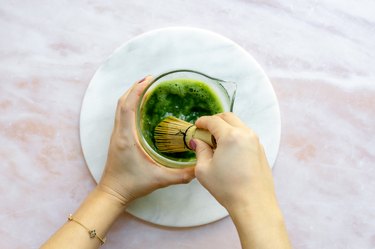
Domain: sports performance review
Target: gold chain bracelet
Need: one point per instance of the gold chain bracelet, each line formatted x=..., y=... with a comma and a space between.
x=92, y=233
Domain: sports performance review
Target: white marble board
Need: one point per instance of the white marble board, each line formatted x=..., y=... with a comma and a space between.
x=157, y=52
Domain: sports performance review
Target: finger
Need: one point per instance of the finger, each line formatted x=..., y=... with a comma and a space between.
x=129, y=101
x=214, y=124
x=204, y=155
x=232, y=119
x=118, y=108
x=203, y=151
x=131, y=97
x=122, y=99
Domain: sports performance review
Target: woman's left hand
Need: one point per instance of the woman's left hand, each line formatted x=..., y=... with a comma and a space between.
x=129, y=172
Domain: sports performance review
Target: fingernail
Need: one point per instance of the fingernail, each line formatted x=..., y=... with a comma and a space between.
x=192, y=144
x=142, y=80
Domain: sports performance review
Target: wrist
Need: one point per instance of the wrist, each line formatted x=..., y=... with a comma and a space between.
x=261, y=201
x=264, y=210
x=258, y=221
x=101, y=201
x=111, y=196
x=261, y=214
x=97, y=213
x=256, y=227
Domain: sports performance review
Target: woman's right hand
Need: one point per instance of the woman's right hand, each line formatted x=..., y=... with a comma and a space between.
x=237, y=173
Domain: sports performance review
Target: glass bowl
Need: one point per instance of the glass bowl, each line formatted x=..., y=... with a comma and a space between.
x=179, y=93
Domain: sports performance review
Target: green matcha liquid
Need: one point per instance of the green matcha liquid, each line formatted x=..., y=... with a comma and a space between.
x=185, y=99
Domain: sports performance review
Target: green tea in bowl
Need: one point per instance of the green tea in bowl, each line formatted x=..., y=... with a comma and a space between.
x=184, y=94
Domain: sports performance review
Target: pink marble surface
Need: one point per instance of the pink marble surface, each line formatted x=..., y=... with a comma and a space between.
x=320, y=58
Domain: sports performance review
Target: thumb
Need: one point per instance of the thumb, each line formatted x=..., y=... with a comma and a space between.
x=202, y=150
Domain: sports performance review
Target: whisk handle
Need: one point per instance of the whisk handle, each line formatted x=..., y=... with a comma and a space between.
x=200, y=134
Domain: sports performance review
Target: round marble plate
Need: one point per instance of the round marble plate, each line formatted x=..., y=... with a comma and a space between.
x=154, y=53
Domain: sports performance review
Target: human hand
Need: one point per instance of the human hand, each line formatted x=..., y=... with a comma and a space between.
x=129, y=172
x=237, y=173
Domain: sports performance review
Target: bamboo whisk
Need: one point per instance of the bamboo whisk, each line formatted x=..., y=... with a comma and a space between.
x=174, y=135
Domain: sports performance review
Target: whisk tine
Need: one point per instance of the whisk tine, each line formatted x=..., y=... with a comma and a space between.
x=170, y=133
x=173, y=135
